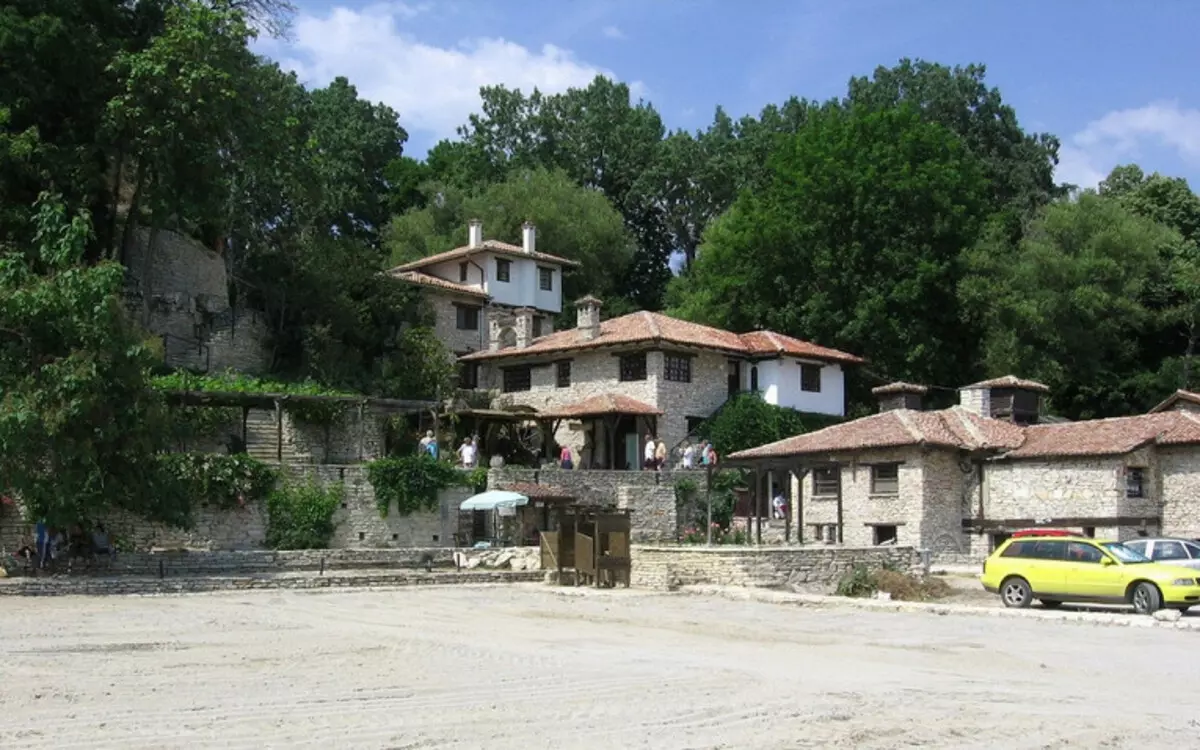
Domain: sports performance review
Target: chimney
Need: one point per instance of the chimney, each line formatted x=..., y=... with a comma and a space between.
x=1009, y=398
x=524, y=326
x=496, y=323
x=475, y=233
x=587, y=317
x=528, y=237
x=899, y=395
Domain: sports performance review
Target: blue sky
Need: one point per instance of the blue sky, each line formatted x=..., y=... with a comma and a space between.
x=1116, y=81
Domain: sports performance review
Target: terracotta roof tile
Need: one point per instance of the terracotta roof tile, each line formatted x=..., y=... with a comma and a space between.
x=948, y=428
x=606, y=403
x=656, y=328
x=494, y=246
x=1108, y=437
x=424, y=279
x=1009, y=381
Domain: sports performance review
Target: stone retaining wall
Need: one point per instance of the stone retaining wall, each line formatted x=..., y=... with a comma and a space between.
x=670, y=567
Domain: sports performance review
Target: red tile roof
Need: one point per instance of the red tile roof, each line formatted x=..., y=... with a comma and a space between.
x=539, y=491
x=607, y=403
x=658, y=329
x=957, y=428
x=1009, y=381
x=417, y=277
x=492, y=246
x=1108, y=437
x=1176, y=397
x=949, y=428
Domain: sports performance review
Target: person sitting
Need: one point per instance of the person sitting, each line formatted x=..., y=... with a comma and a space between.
x=101, y=545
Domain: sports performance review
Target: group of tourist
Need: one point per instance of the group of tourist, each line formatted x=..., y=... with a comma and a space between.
x=468, y=452
x=699, y=455
x=51, y=544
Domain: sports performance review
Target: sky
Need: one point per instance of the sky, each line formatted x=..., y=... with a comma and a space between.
x=1115, y=80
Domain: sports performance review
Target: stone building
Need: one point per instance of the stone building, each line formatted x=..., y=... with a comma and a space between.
x=958, y=481
x=608, y=384
x=466, y=285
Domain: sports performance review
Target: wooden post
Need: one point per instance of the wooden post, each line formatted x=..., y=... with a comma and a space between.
x=758, y=503
x=799, y=474
x=841, y=539
x=708, y=472
x=361, y=428
x=245, y=434
x=279, y=431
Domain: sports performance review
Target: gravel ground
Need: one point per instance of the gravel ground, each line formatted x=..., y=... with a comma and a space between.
x=523, y=666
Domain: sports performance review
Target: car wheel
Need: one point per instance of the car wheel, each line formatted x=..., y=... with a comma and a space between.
x=1051, y=603
x=1145, y=598
x=1015, y=593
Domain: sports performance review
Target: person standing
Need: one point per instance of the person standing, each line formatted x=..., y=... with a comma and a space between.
x=689, y=456
x=466, y=453
x=564, y=458
x=660, y=455
x=648, y=453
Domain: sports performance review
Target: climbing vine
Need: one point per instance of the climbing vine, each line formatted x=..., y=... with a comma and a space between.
x=411, y=483
x=191, y=423
x=319, y=413
x=215, y=480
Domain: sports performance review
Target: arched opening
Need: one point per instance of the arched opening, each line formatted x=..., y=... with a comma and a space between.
x=508, y=338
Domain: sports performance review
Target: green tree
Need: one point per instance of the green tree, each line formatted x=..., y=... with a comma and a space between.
x=747, y=421
x=572, y=222
x=79, y=424
x=1068, y=304
x=856, y=243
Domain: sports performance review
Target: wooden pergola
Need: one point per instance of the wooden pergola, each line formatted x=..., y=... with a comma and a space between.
x=277, y=402
x=607, y=409
x=798, y=466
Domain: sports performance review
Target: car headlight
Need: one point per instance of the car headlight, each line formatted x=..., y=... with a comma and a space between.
x=1184, y=582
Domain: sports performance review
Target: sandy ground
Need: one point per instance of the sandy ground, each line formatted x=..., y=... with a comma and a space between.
x=522, y=667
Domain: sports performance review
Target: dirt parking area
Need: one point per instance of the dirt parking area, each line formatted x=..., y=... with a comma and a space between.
x=522, y=666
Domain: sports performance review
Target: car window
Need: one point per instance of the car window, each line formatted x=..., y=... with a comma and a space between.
x=1138, y=546
x=1193, y=550
x=1049, y=550
x=1169, y=551
x=1123, y=553
x=1018, y=549
x=1080, y=552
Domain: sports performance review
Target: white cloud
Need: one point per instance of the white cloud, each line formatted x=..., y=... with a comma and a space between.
x=434, y=88
x=613, y=32
x=1087, y=157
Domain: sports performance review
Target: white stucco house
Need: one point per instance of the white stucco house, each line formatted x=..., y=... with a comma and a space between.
x=604, y=385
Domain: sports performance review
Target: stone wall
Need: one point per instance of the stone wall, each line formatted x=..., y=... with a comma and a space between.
x=1070, y=487
x=1179, y=473
x=445, y=321
x=359, y=525
x=186, y=287
x=649, y=494
x=352, y=439
x=707, y=391
x=670, y=567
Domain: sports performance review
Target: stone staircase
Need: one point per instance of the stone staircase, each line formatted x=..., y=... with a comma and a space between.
x=262, y=437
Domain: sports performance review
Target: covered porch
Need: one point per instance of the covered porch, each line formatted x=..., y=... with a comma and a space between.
x=766, y=475
x=614, y=430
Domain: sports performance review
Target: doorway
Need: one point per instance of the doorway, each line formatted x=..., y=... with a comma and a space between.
x=735, y=377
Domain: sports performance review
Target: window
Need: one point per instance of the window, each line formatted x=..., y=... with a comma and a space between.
x=693, y=423
x=537, y=326
x=462, y=271
x=468, y=375
x=885, y=535
x=810, y=378
x=545, y=279
x=563, y=374
x=516, y=379
x=1138, y=546
x=754, y=379
x=1193, y=550
x=1169, y=551
x=827, y=481
x=1085, y=553
x=1135, y=479
x=633, y=367
x=1037, y=550
x=818, y=532
x=885, y=479
x=677, y=368
x=503, y=269
x=467, y=317
x=831, y=533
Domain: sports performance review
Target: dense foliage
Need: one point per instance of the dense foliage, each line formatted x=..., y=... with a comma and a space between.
x=747, y=421
x=224, y=482
x=315, y=412
x=300, y=514
x=411, y=483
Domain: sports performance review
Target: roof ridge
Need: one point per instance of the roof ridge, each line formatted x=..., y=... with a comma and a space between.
x=774, y=337
x=907, y=423
x=655, y=331
x=969, y=424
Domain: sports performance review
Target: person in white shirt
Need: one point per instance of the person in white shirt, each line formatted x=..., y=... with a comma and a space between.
x=648, y=455
x=689, y=456
x=466, y=453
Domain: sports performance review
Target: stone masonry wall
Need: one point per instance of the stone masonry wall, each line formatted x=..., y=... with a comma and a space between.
x=707, y=391
x=445, y=322
x=947, y=490
x=359, y=525
x=671, y=567
x=1069, y=487
x=1180, y=475
x=350, y=440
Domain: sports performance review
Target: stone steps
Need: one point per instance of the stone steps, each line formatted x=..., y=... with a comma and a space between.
x=262, y=437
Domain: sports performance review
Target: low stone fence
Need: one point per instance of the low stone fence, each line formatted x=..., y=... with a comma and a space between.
x=199, y=563
x=670, y=567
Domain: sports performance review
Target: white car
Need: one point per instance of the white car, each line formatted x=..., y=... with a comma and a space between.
x=1181, y=552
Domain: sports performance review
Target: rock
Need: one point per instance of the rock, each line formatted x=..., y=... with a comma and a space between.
x=473, y=562
x=1168, y=615
x=883, y=596
x=504, y=558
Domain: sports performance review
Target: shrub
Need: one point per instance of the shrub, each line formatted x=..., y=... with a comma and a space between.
x=411, y=483
x=300, y=515
x=863, y=582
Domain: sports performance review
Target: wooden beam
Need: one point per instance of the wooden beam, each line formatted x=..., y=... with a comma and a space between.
x=758, y=504
x=841, y=537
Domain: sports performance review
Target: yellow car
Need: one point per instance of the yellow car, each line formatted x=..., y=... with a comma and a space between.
x=1058, y=568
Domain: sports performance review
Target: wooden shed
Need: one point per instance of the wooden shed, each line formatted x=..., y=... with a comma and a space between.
x=592, y=542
